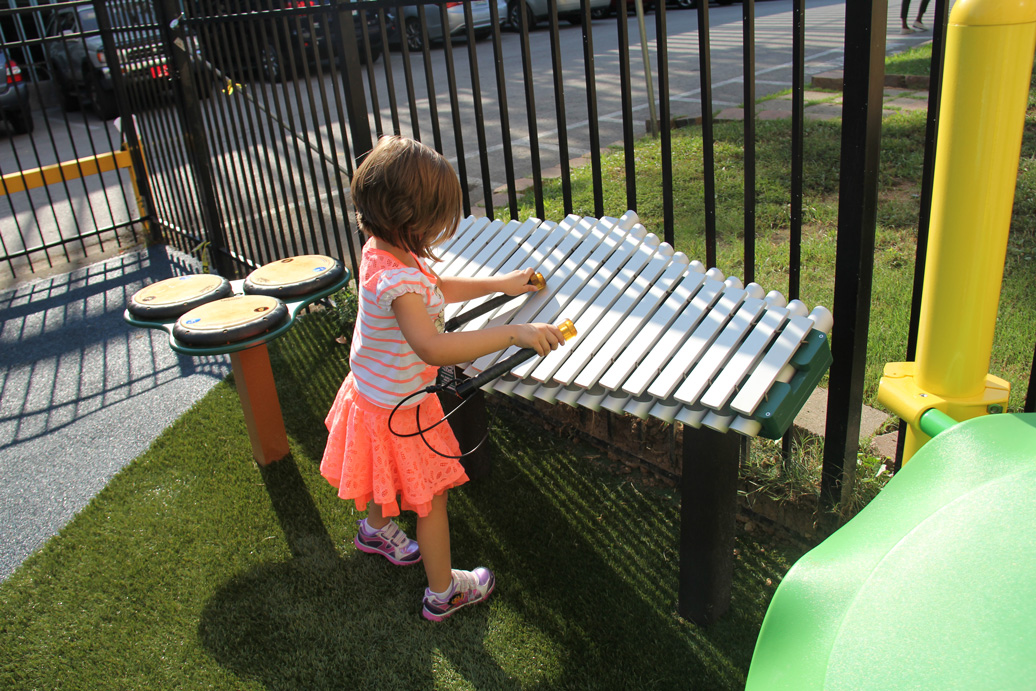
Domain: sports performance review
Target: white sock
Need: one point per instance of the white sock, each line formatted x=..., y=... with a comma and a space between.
x=371, y=529
x=445, y=594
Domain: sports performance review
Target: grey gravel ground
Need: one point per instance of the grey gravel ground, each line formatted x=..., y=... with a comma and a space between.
x=82, y=393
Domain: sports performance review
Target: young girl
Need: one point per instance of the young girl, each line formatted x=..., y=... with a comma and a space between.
x=408, y=199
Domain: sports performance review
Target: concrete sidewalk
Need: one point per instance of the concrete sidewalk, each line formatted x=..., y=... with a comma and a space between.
x=82, y=393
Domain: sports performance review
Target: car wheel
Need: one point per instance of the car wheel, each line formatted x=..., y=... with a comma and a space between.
x=515, y=19
x=601, y=12
x=23, y=122
x=19, y=120
x=686, y=4
x=102, y=97
x=271, y=63
x=414, y=40
x=68, y=99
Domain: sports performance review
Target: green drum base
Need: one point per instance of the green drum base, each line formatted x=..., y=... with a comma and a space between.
x=931, y=586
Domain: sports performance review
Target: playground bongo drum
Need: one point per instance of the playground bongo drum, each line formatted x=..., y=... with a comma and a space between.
x=294, y=276
x=230, y=320
x=172, y=297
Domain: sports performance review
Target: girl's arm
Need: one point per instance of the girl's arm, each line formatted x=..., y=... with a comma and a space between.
x=460, y=289
x=454, y=348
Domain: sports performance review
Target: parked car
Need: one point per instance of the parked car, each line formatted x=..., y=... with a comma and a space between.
x=409, y=26
x=649, y=5
x=14, y=96
x=537, y=10
x=256, y=40
x=79, y=65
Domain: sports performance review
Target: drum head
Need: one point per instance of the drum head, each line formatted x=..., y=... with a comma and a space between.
x=230, y=320
x=294, y=276
x=172, y=297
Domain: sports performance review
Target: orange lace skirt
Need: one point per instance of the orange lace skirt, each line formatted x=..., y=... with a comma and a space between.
x=365, y=461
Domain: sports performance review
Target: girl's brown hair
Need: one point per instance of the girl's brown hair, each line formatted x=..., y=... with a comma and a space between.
x=408, y=195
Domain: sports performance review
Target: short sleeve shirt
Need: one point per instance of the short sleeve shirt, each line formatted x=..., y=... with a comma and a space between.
x=384, y=366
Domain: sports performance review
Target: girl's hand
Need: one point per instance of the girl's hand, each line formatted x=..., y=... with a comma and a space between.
x=542, y=338
x=517, y=282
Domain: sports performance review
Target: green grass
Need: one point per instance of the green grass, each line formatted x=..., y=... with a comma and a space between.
x=915, y=60
x=196, y=569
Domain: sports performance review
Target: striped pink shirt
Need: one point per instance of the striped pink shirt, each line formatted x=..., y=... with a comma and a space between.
x=384, y=366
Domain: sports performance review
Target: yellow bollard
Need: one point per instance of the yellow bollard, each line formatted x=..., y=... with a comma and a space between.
x=989, y=57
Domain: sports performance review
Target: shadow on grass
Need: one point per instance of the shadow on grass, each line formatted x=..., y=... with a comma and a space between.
x=586, y=564
x=319, y=619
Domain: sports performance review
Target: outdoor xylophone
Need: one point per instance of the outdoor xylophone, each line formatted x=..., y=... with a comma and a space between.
x=205, y=314
x=659, y=335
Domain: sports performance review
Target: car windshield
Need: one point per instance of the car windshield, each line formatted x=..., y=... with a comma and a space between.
x=133, y=16
x=87, y=19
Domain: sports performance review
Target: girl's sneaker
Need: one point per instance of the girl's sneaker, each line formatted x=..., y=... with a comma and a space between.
x=390, y=542
x=467, y=588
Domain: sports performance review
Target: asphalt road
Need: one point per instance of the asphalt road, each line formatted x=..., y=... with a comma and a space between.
x=257, y=154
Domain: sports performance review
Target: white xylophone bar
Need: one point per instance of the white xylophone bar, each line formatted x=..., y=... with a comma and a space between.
x=659, y=335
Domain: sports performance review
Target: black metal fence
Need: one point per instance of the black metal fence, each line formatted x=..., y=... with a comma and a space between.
x=237, y=124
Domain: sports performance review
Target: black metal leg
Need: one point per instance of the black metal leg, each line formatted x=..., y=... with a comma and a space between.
x=708, y=510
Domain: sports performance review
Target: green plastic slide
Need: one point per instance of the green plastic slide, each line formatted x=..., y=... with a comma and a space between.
x=931, y=586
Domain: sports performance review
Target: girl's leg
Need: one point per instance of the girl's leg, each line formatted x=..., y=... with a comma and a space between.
x=433, y=534
x=375, y=519
x=904, y=12
x=381, y=536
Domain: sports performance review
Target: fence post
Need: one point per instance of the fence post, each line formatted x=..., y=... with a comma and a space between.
x=170, y=20
x=865, y=24
x=355, y=102
x=141, y=186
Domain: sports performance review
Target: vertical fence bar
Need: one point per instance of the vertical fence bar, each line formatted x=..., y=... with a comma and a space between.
x=798, y=88
x=591, y=107
x=320, y=128
x=665, y=132
x=626, y=86
x=708, y=153
x=857, y=217
x=748, y=58
x=1030, y=396
x=355, y=103
x=338, y=54
x=194, y=132
x=408, y=75
x=530, y=112
x=458, y=137
x=371, y=78
x=924, y=218
x=390, y=82
x=429, y=78
x=559, y=104
x=505, y=116
x=476, y=97
x=237, y=160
